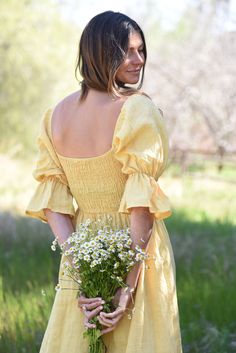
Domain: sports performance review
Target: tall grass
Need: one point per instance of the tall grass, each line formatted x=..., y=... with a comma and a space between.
x=206, y=281
x=29, y=274
x=202, y=230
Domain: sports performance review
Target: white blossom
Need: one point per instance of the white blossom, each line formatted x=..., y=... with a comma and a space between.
x=58, y=287
x=102, y=248
x=87, y=258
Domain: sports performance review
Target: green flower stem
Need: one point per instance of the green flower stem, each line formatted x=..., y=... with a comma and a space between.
x=96, y=344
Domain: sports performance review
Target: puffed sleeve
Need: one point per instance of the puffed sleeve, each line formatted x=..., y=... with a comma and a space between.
x=141, y=146
x=53, y=191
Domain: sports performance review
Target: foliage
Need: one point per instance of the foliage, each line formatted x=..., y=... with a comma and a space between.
x=35, y=68
x=190, y=70
x=26, y=296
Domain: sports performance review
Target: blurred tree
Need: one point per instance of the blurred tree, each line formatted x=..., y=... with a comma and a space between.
x=192, y=75
x=37, y=65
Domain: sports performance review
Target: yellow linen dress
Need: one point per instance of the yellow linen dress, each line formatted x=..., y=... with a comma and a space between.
x=110, y=184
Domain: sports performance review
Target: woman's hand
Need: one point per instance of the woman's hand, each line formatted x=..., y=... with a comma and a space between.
x=111, y=320
x=90, y=307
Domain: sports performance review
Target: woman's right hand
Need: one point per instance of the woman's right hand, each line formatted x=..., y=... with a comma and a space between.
x=90, y=308
x=111, y=320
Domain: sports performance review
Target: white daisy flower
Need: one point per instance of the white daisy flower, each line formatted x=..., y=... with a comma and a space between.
x=87, y=258
x=58, y=287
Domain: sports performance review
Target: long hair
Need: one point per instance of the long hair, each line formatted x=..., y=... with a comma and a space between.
x=102, y=49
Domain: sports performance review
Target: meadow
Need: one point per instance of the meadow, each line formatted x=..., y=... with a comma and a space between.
x=202, y=231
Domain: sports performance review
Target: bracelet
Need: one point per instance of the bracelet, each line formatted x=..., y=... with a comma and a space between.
x=129, y=289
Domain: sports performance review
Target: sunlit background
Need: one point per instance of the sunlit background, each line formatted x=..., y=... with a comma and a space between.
x=191, y=76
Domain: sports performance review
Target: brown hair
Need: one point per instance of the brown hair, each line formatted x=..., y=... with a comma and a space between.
x=102, y=49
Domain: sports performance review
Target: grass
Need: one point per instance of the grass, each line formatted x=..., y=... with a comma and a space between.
x=29, y=274
x=202, y=230
x=206, y=280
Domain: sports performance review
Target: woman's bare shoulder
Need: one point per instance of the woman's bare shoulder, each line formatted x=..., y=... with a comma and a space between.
x=67, y=101
x=60, y=111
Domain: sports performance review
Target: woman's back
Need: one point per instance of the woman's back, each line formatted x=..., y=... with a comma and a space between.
x=85, y=129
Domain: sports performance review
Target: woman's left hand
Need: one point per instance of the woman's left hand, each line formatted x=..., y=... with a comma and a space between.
x=90, y=308
x=111, y=320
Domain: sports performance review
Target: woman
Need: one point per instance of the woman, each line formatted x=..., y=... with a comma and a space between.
x=105, y=146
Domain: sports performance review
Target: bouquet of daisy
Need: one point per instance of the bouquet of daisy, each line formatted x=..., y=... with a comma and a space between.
x=100, y=259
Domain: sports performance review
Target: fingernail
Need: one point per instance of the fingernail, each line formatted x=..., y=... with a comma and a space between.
x=103, y=302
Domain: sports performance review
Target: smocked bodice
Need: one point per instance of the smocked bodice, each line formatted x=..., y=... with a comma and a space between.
x=85, y=174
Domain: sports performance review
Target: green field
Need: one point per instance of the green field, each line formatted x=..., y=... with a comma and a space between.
x=202, y=230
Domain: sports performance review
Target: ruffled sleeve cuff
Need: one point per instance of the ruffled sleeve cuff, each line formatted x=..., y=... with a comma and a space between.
x=51, y=194
x=142, y=190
